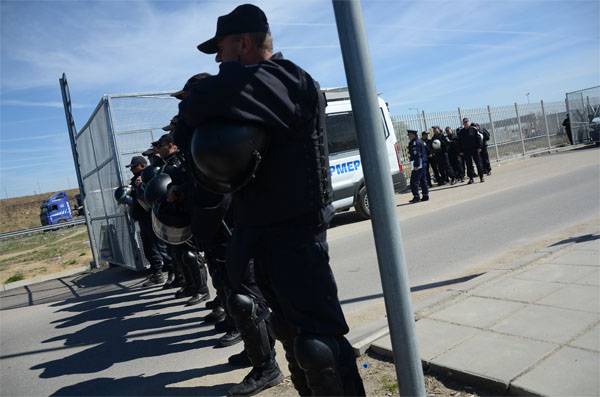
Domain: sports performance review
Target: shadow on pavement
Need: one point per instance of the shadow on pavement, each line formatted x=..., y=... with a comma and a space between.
x=416, y=288
x=579, y=239
x=154, y=385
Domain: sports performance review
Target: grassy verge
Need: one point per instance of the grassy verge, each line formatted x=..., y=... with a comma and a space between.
x=43, y=253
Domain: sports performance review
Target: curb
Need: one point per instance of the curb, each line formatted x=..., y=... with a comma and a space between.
x=42, y=279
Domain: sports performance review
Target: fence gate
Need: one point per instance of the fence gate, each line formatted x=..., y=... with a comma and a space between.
x=583, y=106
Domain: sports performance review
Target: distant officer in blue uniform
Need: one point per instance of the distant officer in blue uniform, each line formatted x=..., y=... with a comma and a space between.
x=418, y=159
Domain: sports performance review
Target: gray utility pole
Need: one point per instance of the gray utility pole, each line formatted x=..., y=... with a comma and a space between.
x=386, y=229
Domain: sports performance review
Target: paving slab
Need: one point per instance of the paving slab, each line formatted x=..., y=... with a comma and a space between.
x=592, y=278
x=476, y=312
x=589, y=340
x=577, y=257
x=577, y=297
x=551, y=273
x=516, y=290
x=567, y=372
x=546, y=323
x=592, y=245
x=437, y=337
x=494, y=356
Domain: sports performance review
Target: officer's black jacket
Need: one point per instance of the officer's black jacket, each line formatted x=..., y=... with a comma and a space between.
x=468, y=139
x=453, y=147
x=293, y=179
x=136, y=211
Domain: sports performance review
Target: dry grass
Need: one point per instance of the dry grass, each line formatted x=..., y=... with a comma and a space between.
x=24, y=212
x=44, y=253
x=379, y=378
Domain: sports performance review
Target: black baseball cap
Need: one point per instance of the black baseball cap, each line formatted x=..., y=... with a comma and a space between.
x=188, y=85
x=246, y=18
x=137, y=160
x=171, y=125
x=166, y=138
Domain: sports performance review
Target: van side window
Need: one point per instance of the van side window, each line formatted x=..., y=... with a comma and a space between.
x=341, y=132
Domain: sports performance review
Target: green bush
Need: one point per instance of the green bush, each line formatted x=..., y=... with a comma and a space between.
x=15, y=277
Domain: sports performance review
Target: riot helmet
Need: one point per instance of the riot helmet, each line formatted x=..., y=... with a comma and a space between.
x=171, y=223
x=123, y=195
x=149, y=173
x=226, y=154
x=436, y=144
x=156, y=190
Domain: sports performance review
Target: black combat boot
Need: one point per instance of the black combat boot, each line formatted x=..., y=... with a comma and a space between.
x=259, y=379
x=240, y=360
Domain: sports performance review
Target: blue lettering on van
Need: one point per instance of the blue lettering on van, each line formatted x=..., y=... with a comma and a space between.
x=343, y=168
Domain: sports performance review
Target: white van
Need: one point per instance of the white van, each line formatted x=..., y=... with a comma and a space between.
x=345, y=165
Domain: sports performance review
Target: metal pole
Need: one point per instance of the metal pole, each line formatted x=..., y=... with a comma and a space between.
x=493, y=133
x=72, y=131
x=424, y=119
x=546, y=124
x=520, y=129
x=460, y=117
x=386, y=228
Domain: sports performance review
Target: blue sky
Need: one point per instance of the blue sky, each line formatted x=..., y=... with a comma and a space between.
x=434, y=55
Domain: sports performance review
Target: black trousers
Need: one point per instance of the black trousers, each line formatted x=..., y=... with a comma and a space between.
x=443, y=165
x=155, y=250
x=456, y=162
x=291, y=264
x=470, y=158
x=485, y=160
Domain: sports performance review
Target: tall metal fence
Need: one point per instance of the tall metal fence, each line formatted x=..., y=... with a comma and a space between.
x=583, y=106
x=119, y=128
x=515, y=130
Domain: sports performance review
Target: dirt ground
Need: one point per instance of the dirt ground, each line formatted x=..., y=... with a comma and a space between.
x=379, y=378
x=44, y=253
x=24, y=212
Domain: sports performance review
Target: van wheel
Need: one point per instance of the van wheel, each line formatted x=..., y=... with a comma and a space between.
x=362, y=203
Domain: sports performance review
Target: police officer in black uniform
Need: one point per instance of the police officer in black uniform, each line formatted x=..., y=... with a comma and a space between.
x=418, y=159
x=430, y=159
x=470, y=144
x=191, y=261
x=485, y=156
x=281, y=216
x=154, y=249
x=440, y=156
x=456, y=161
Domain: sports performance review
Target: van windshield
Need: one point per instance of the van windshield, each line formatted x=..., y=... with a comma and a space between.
x=341, y=132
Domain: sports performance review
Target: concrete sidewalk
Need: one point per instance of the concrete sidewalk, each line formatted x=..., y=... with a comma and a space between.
x=532, y=327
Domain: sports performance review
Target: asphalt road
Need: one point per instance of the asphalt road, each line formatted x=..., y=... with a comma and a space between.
x=128, y=341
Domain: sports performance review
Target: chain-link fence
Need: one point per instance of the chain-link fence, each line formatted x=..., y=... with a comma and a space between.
x=583, y=106
x=515, y=130
x=119, y=128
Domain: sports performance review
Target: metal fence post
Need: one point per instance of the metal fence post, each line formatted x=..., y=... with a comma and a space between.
x=386, y=228
x=493, y=132
x=424, y=119
x=72, y=130
x=520, y=129
x=546, y=124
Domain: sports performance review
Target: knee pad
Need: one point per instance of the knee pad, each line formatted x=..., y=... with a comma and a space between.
x=242, y=307
x=316, y=352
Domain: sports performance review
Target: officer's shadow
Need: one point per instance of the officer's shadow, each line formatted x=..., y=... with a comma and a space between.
x=155, y=385
x=117, y=349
